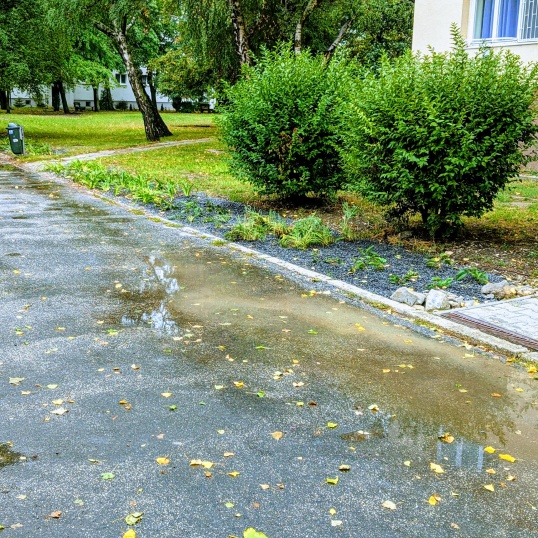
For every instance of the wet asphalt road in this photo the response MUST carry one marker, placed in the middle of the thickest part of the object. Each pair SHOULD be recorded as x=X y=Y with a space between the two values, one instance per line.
x=211 y=355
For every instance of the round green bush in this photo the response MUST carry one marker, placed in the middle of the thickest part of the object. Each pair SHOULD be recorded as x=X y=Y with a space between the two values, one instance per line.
x=441 y=135
x=281 y=123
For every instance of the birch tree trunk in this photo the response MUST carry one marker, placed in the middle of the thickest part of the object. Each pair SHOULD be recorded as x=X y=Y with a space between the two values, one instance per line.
x=298 y=41
x=153 y=123
x=240 y=34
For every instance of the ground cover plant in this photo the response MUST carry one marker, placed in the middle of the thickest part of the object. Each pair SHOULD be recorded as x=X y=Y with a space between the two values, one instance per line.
x=441 y=135
x=83 y=133
x=281 y=123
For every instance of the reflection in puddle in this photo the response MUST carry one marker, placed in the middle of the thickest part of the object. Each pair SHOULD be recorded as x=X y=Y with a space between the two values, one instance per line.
x=8 y=456
x=156 y=313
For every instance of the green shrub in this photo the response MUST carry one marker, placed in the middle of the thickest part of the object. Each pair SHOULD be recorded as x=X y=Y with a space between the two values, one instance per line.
x=440 y=135
x=281 y=123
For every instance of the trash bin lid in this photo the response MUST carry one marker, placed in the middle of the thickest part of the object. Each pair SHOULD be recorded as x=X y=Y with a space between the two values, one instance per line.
x=11 y=125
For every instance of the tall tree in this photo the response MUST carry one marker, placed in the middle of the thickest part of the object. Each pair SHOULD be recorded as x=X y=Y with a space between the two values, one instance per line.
x=121 y=21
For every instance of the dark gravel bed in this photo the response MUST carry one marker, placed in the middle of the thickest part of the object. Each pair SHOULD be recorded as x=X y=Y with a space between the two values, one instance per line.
x=218 y=216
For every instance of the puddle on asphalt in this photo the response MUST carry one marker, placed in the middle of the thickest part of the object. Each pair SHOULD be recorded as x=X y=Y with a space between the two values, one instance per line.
x=420 y=385
x=8 y=456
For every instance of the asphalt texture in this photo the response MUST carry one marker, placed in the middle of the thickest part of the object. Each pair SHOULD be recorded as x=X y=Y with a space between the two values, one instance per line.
x=162 y=346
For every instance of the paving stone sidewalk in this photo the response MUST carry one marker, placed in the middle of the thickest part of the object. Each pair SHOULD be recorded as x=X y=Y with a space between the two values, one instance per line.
x=516 y=319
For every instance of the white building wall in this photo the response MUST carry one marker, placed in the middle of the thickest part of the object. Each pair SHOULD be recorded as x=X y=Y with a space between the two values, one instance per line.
x=432 y=23
x=432 y=28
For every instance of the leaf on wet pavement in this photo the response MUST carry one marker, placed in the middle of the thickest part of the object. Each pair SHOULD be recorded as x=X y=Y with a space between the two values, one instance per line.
x=490 y=487
x=447 y=438
x=277 y=435
x=251 y=532
x=332 y=424
x=507 y=457
x=57 y=514
x=107 y=476
x=344 y=468
x=131 y=533
x=163 y=461
x=434 y=499
x=219 y=387
x=133 y=518
x=265 y=486
x=234 y=474
x=166 y=394
x=228 y=454
x=489 y=450
x=389 y=505
x=332 y=481
x=436 y=468
x=238 y=384
x=496 y=395
x=16 y=380
x=60 y=411
x=373 y=407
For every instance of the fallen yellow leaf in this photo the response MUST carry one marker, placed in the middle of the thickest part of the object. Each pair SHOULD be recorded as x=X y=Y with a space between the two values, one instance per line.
x=239 y=384
x=332 y=424
x=490 y=487
x=489 y=450
x=446 y=438
x=131 y=533
x=166 y=394
x=386 y=370
x=163 y=461
x=277 y=435
x=496 y=394
x=507 y=457
x=436 y=468
x=389 y=505
x=433 y=501
x=491 y=471
x=519 y=389
x=234 y=474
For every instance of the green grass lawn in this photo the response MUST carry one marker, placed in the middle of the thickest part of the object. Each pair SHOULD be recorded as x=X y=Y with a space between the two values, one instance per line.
x=90 y=131
x=204 y=164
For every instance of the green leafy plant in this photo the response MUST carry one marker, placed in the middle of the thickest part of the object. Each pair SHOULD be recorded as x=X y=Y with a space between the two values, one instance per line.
x=253 y=227
x=480 y=276
x=186 y=186
x=440 y=135
x=282 y=126
x=410 y=276
x=350 y=212
x=437 y=261
x=440 y=283
x=307 y=232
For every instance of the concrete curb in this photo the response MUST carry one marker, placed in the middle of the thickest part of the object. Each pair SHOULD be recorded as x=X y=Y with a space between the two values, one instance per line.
x=450 y=328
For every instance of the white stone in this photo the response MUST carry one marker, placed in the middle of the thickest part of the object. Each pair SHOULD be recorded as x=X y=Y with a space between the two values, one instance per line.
x=492 y=287
x=437 y=300
x=408 y=297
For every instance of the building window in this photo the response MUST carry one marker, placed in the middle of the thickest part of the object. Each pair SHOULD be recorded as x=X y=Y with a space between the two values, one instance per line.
x=506 y=19
x=121 y=78
x=88 y=103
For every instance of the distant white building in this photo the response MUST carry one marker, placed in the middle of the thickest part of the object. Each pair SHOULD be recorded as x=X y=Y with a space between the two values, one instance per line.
x=82 y=96
x=511 y=24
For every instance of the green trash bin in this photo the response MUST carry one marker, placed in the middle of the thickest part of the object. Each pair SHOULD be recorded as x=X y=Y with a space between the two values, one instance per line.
x=16 y=138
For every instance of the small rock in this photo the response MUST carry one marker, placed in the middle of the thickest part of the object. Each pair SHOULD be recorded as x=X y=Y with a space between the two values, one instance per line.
x=437 y=300
x=507 y=292
x=492 y=287
x=525 y=291
x=407 y=296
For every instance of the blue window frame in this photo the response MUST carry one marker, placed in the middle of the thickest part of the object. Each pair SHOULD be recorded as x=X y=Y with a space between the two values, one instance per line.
x=506 y=19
